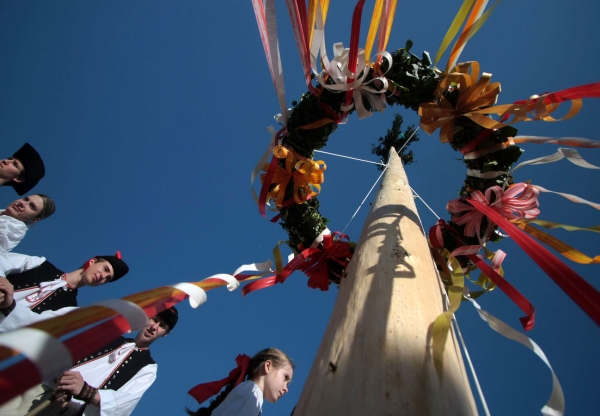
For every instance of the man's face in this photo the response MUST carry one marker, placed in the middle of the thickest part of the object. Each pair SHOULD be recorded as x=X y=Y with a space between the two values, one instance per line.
x=11 y=169
x=157 y=328
x=26 y=209
x=98 y=273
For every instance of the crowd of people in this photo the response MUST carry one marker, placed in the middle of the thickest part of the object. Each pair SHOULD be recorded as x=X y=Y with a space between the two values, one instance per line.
x=112 y=380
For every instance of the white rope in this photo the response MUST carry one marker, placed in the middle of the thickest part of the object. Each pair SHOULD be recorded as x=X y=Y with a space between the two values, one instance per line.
x=475 y=379
x=363 y=201
x=348 y=157
x=411 y=136
x=422 y=200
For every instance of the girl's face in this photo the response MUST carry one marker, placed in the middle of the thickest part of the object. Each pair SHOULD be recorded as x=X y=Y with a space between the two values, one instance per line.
x=26 y=209
x=276 y=381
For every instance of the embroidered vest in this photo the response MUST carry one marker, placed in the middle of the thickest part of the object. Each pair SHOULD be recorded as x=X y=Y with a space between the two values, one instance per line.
x=137 y=360
x=45 y=272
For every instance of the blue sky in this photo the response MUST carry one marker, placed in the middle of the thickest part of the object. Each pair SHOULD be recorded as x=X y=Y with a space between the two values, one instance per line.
x=150 y=116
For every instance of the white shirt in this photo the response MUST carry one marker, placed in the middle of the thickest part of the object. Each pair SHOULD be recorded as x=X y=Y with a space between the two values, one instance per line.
x=18 y=263
x=245 y=399
x=12 y=232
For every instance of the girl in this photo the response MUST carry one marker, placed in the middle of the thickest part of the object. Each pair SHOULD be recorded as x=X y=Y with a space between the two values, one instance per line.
x=16 y=219
x=267 y=375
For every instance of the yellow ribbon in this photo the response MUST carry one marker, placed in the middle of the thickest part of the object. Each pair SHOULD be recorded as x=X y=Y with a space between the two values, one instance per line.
x=476 y=99
x=312 y=16
x=563 y=248
x=307 y=176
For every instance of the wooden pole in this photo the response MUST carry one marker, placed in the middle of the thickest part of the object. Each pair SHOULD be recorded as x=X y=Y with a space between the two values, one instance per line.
x=375 y=357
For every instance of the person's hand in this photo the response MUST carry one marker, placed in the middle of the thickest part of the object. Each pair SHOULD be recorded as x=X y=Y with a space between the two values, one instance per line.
x=61 y=396
x=70 y=382
x=6 y=293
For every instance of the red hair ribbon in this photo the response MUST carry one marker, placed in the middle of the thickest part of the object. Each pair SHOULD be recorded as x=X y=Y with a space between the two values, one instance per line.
x=118 y=255
x=205 y=391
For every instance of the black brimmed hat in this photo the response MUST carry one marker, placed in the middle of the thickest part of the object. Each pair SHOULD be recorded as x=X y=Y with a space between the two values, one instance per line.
x=170 y=316
x=120 y=268
x=33 y=169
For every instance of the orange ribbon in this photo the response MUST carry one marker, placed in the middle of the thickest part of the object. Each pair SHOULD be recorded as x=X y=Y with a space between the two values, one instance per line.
x=477 y=97
x=474 y=95
x=307 y=176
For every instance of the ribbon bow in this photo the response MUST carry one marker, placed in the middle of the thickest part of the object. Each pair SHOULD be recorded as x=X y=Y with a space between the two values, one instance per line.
x=474 y=94
x=337 y=70
x=307 y=176
x=334 y=251
x=205 y=391
x=519 y=201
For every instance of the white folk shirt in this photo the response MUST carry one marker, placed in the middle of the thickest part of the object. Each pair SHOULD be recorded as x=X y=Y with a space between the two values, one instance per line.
x=246 y=399
x=19 y=263
x=12 y=232
x=113 y=402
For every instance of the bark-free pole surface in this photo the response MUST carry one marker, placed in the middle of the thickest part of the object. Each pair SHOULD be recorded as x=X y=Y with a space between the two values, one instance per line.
x=375 y=357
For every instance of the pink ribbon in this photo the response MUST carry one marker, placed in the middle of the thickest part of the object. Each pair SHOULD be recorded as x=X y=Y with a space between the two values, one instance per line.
x=519 y=201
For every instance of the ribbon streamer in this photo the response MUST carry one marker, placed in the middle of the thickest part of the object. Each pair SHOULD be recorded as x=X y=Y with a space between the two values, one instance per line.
x=563 y=248
x=267 y=26
x=556 y=404
x=564 y=141
x=109 y=325
x=572 y=156
x=572 y=198
x=584 y=294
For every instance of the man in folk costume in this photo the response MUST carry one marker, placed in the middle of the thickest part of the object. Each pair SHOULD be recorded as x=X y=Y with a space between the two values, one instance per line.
x=40 y=286
x=110 y=382
x=23 y=170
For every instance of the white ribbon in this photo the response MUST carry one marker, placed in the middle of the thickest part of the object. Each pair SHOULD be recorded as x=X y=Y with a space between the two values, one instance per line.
x=556 y=404
x=232 y=282
x=565 y=141
x=487 y=175
x=573 y=198
x=197 y=295
x=49 y=355
x=572 y=156
x=135 y=316
x=265 y=266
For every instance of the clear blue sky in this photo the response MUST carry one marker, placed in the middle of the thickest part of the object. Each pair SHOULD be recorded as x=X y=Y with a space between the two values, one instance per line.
x=150 y=116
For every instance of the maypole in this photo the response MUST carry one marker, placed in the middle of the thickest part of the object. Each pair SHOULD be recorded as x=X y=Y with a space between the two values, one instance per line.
x=375 y=357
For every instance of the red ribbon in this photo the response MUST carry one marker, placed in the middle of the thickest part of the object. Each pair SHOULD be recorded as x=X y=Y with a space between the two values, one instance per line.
x=584 y=294
x=317 y=270
x=205 y=391
x=528 y=321
x=313 y=262
x=573 y=93
x=353 y=55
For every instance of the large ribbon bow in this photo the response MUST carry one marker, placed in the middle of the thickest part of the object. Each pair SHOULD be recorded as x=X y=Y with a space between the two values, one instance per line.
x=519 y=201
x=474 y=94
x=338 y=71
x=334 y=251
x=307 y=176
x=205 y=391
